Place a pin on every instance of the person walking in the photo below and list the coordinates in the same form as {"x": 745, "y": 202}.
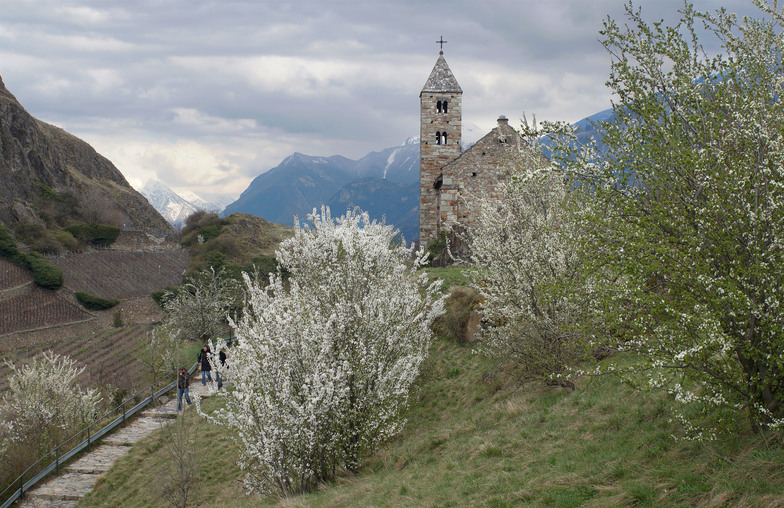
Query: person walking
{"x": 222, "y": 359}
{"x": 204, "y": 365}
{"x": 182, "y": 388}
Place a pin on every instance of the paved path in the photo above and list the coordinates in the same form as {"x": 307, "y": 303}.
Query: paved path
{"x": 79, "y": 477}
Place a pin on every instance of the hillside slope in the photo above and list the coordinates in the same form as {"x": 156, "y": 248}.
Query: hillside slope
{"x": 468, "y": 442}
{"x": 33, "y": 152}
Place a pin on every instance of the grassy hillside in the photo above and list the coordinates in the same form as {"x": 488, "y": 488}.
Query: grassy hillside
{"x": 471, "y": 443}
{"x": 235, "y": 243}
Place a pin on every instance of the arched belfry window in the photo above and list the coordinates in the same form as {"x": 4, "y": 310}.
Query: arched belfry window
{"x": 443, "y": 140}
{"x": 438, "y": 107}
{"x": 438, "y": 138}
{"x": 444, "y": 106}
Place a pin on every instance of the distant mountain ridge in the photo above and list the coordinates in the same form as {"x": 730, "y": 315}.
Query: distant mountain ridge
{"x": 384, "y": 183}
{"x": 173, "y": 207}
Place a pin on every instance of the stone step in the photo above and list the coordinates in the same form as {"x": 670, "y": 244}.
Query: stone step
{"x": 31, "y": 502}
{"x": 67, "y": 487}
{"x": 99, "y": 460}
{"x": 79, "y": 477}
{"x": 136, "y": 430}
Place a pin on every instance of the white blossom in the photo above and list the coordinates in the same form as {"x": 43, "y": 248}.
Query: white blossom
{"x": 44, "y": 405}
{"x": 325, "y": 358}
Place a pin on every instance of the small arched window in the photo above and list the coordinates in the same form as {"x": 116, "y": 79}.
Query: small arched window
{"x": 443, "y": 141}
{"x": 438, "y": 138}
{"x": 438, "y": 107}
{"x": 444, "y": 106}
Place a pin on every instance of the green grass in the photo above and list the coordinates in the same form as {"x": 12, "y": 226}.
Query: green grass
{"x": 451, "y": 275}
{"x": 470, "y": 442}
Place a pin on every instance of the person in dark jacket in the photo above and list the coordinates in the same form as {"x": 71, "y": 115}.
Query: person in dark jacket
{"x": 182, "y": 388}
{"x": 204, "y": 365}
{"x": 222, "y": 359}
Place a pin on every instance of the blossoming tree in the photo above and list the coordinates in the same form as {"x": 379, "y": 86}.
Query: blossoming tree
{"x": 44, "y": 405}
{"x": 198, "y": 309}
{"x": 325, "y": 359}
{"x": 689, "y": 187}
{"x": 530, "y": 277}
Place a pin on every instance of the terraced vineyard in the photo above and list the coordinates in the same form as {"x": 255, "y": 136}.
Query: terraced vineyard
{"x": 12, "y": 276}
{"x": 24, "y": 306}
{"x": 122, "y": 274}
{"x": 37, "y": 308}
{"x": 107, "y": 357}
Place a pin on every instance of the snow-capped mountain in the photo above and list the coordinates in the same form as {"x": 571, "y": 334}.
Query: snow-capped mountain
{"x": 171, "y": 205}
{"x": 203, "y": 204}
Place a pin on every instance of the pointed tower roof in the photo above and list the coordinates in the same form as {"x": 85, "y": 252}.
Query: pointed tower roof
{"x": 441, "y": 78}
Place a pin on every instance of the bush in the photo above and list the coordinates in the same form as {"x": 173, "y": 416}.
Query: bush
{"x": 262, "y": 264}
{"x": 437, "y": 253}
{"x": 93, "y": 302}
{"x": 206, "y": 225}
{"x": 118, "y": 320}
{"x": 47, "y": 243}
{"x": 160, "y": 297}
{"x": 45, "y": 274}
{"x": 209, "y": 232}
{"x": 67, "y": 240}
{"x": 8, "y": 248}
{"x": 215, "y": 259}
{"x": 44, "y": 405}
{"x": 324, "y": 362}
{"x": 38, "y": 237}
{"x": 531, "y": 279}
{"x": 101, "y": 235}
{"x": 47, "y": 192}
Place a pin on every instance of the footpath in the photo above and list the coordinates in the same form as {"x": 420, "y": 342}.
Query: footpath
{"x": 80, "y": 476}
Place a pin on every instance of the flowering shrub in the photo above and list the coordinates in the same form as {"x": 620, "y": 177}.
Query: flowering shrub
{"x": 198, "y": 308}
{"x": 528, "y": 276}
{"x": 689, "y": 215}
{"x": 324, "y": 360}
{"x": 43, "y": 404}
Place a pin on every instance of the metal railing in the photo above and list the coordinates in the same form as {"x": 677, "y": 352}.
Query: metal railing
{"x": 19, "y": 486}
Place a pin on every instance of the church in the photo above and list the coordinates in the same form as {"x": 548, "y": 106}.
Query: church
{"x": 449, "y": 177}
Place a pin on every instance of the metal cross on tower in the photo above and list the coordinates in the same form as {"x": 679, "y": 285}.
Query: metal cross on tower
{"x": 442, "y": 42}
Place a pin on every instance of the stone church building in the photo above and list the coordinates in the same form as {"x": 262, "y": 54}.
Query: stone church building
{"x": 448, "y": 177}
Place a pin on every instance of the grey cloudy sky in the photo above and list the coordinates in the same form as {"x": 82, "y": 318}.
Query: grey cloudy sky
{"x": 206, "y": 95}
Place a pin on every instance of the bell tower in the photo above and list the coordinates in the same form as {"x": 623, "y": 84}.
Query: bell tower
{"x": 439, "y": 141}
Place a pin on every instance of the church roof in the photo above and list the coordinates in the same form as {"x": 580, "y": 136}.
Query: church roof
{"x": 441, "y": 78}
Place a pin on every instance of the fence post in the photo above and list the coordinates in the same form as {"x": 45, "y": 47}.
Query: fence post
{"x": 57, "y": 459}
{"x": 123, "y": 408}
{"x": 89, "y": 444}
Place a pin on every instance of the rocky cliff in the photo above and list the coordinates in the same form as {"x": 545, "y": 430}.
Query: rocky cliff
{"x": 36, "y": 157}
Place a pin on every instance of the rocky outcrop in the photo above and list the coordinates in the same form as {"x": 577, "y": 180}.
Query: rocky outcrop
{"x": 33, "y": 152}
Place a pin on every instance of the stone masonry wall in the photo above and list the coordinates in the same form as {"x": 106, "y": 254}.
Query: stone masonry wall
{"x": 433, "y": 157}
{"x": 480, "y": 173}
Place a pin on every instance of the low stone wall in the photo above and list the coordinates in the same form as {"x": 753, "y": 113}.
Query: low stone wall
{"x": 138, "y": 240}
